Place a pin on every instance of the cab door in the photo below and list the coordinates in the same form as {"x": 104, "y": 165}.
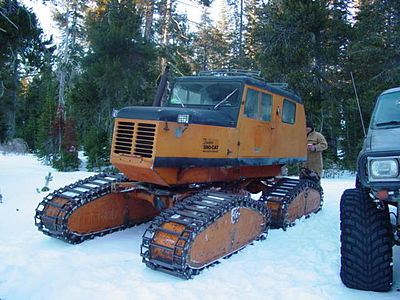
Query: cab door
{"x": 288, "y": 136}
{"x": 255, "y": 124}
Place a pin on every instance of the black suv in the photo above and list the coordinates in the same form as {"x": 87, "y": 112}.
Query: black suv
{"x": 368, "y": 232}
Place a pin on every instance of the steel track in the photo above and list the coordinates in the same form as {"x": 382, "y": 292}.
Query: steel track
{"x": 73, "y": 197}
{"x": 196, "y": 213}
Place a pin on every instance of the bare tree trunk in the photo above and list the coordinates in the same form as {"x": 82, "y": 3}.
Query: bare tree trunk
{"x": 10, "y": 108}
{"x": 241, "y": 32}
{"x": 11, "y": 113}
{"x": 64, "y": 71}
{"x": 62, "y": 78}
{"x": 149, "y": 14}
{"x": 166, "y": 33}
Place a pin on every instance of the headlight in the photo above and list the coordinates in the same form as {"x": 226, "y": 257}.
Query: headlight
{"x": 383, "y": 168}
{"x": 183, "y": 119}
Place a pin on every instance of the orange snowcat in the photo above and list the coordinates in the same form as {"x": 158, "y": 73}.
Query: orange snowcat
{"x": 205, "y": 168}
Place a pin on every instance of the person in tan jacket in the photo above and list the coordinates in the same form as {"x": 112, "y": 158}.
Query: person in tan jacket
{"x": 316, "y": 143}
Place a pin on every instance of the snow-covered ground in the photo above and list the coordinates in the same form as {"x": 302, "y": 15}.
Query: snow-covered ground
{"x": 301, "y": 263}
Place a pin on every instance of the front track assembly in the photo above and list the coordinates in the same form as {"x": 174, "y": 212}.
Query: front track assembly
{"x": 202, "y": 229}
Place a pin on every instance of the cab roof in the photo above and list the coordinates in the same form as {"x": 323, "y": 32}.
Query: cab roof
{"x": 392, "y": 90}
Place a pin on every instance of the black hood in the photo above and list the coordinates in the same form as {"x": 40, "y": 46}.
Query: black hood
{"x": 223, "y": 117}
{"x": 387, "y": 139}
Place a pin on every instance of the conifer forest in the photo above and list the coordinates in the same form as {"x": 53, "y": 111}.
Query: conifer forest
{"x": 58, "y": 94}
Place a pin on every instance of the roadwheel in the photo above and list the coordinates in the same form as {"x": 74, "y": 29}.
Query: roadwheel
{"x": 366, "y": 243}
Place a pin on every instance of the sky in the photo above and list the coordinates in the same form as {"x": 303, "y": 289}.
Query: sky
{"x": 193, "y": 10}
{"x": 43, "y": 13}
{"x": 190, "y": 7}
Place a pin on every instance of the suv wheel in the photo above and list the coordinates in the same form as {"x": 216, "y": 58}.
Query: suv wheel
{"x": 358, "y": 183}
{"x": 366, "y": 243}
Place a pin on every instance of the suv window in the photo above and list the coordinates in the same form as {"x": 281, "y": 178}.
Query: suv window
{"x": 387, "y": 111}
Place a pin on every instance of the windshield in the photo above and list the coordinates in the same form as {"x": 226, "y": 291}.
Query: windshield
{"x": 211, "y": 93}
{"x": 387, "y": 111}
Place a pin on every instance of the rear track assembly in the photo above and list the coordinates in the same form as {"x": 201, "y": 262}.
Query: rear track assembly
{"x": 290, "y": 199}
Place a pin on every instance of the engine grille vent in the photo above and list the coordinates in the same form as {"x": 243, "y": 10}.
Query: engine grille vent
{"x": 145, "y": 135}
{"x": 135, "y": 139}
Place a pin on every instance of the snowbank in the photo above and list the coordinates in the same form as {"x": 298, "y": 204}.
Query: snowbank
{"x": 301, "y": 263}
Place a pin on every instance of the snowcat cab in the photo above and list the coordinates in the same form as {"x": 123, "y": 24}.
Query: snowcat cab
{"x": 212, "y": 129}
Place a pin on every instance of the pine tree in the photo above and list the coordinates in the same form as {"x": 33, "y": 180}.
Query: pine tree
{"x": 118, "y": 70}
{"x": 147, "y": 10}
{"x": 45, "y": 87}
{"x": 238, "y": 22}
{"x": 211, "y": 48}
{"x": 69, "y": 16}
{"x": 302, "y": 43}
{"x": 237, "y": 18}
{"x": 166, "y": 31}
{"x": 20, "y": 45}
{"x": 31, "y": 111}
{"x": 249, "y": 42}
{"x": 179, "y": 51}
{"x": 373, "y": 57}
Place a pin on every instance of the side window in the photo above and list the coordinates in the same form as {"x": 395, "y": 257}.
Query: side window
{"x": 266, "y": 107}
{"x": 289, "y": 112}
{"x": 251, "y": 108}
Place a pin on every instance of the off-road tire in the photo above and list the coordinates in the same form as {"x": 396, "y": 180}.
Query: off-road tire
{"x": 366, "y": 243}
{"x": 358, "y": 182}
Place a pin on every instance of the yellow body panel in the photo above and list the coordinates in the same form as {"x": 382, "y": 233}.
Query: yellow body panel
{"x": 199, "y": 141}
